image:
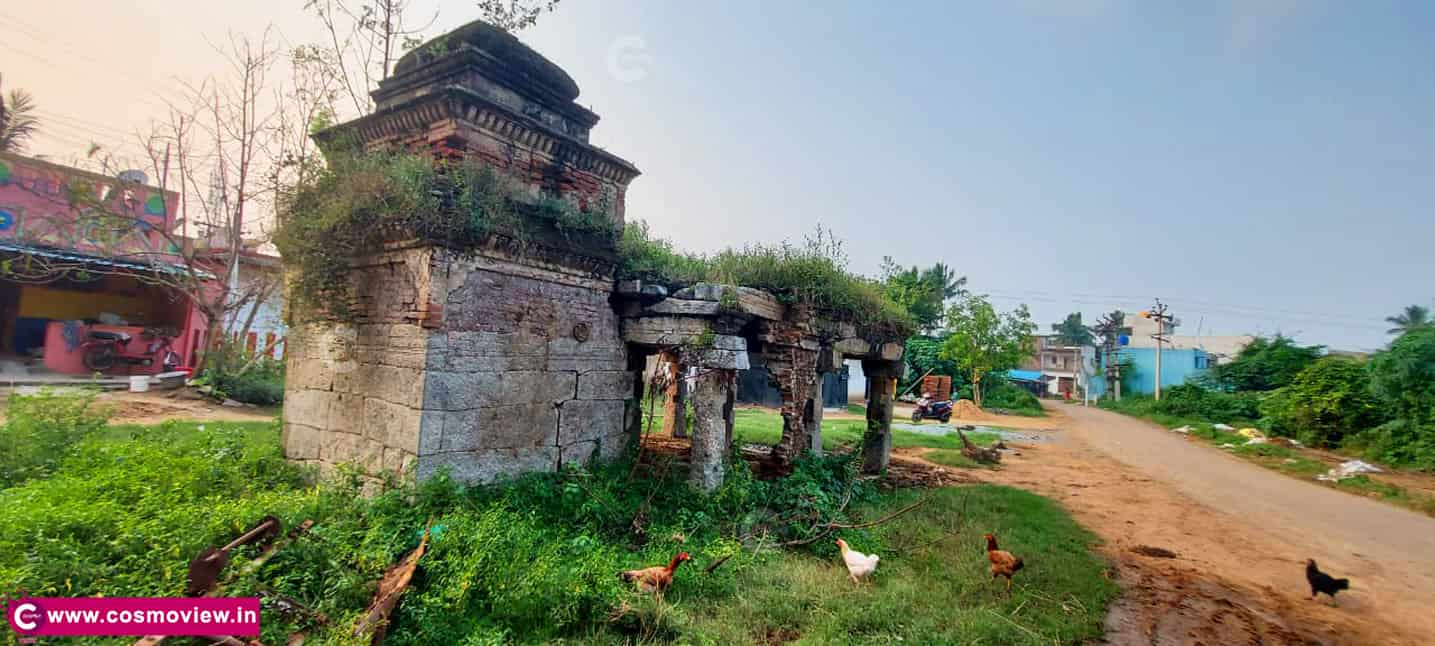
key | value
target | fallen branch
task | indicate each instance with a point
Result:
(828, 528)
(714, 565)
(391, 587)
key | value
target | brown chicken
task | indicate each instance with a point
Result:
(1004, 563)
(656, 578)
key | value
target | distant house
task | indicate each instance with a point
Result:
(1177, 366)
(1064, 368)
(257, 321)
(70, 274)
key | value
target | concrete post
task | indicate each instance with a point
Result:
(712, 424)
(877, 441)
(675, 401)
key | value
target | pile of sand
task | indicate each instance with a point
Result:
(965, 409)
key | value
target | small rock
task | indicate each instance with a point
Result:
(232, 404)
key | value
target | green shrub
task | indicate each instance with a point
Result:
(236, 374)
(40, 430)
(1264, 364)
(1398, 443)
(813, 274)
(1324, 403)
(1192, 400)
(1404, 376)
(1000, 393)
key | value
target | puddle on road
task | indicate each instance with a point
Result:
(1006, 434)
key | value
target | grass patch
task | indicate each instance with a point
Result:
(764, 426)
(534, 560)
(952, 458)
(856, 409)
(932, 586)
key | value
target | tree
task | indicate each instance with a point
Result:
(366, 38)
(1412, 317)
(922, 292)
(983, 341)
(1404, 375)
(1265, 364)
(18, 122)
(1070, 331)
(1326, 402)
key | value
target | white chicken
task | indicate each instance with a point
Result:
(859, 565)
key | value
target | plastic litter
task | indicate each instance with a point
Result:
(1228, 446)
(1182, 429)
(1223, 427)
(1250, 433)
(1348, 469)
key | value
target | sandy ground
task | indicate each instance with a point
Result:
(1240, 533)
(158, 406)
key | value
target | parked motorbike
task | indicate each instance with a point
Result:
(926, 409)
(105, 350)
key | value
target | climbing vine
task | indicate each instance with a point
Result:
(362, 200)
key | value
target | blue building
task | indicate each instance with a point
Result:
(1177, 365)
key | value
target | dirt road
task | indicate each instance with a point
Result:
(1240, 534)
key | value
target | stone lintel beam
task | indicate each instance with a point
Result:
(712, 427)
(664, 331)
(683, 307)
(747, 300)
(877, 441)
(859, 348)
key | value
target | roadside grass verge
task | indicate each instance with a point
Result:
(534, 560)
(1292, 461)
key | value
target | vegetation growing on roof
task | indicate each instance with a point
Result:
(812, 274)
(361, 200)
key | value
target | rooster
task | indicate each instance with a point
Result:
(656, 578)
(859, 565)
(1004, 563)
(1322, 582)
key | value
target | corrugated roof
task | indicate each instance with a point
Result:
(102, 261)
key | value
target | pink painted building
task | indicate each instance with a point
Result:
(85, 262)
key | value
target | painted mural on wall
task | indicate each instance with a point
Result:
(48, 205)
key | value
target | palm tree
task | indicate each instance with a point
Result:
(1414, 316)
(17, 120)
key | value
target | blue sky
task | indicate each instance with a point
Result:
(1260, 165)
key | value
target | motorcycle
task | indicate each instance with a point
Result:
(940, 411)
(105, 350)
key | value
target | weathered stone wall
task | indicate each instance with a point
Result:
(527, 372)
(353, 392)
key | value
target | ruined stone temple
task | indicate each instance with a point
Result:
(528, 353)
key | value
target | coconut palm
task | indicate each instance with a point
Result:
(17, 120)
(1414, 316)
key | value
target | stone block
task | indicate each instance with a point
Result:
(390, 424)
(578, 453)
(853, 347)
(582, 420)
(502, 427)
(308, 407)
(395, 384)
(469, 390)
(370, 455)
(726, 359)
(487, 466)
(301, 442)
(431, 423)
(683, 307)
(663, 330)
(606, 384)
(338, 448)
(891, 351)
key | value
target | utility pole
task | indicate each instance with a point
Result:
(1158, 314)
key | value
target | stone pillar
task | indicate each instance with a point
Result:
(877, 441)
(633, 416)
(712, 426)
(814, 416)
(675, 400)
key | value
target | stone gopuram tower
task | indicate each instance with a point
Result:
(501, 361)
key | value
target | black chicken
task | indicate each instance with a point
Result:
(1322, 582)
